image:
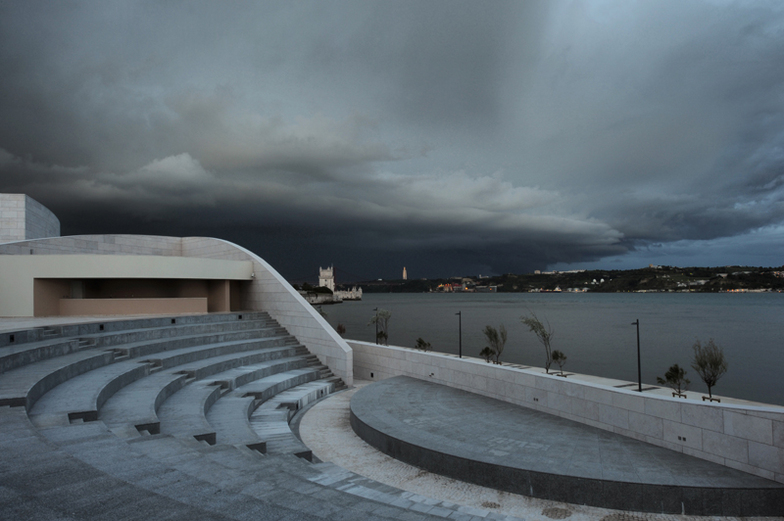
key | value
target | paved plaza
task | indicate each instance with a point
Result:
(468, 422)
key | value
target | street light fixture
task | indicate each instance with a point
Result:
(460, 334)
(639, 370)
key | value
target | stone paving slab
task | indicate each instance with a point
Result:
(325, 428)
(512, 448)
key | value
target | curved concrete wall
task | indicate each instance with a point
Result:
(267, 291)
(748, 438)
(270, 292)
(22, 217)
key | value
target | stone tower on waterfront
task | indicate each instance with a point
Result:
(327, 277)
(405, 275)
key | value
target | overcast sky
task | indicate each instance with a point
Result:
(449, 137)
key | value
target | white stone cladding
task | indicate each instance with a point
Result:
(101, 244)
(748, 438)
(22, 218)
(268, 291)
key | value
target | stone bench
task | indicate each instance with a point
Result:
(150, 347)
(51, 342)
(23, 387)
(136, 405)
(81, 397)
(270, 421)
(184, 414)
(208, 349)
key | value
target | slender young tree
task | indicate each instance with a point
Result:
(421, 344)
(497, 339)
(709, 362)
(381, 318)
(487, 354)
(675, 378)
(560, 359)
(544, 333)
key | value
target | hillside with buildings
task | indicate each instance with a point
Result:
(651, 279)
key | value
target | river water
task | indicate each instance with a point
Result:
(595, 331)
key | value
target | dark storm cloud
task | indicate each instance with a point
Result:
(469, 136)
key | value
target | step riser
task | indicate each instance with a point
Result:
(12, 338)
(50, 381)
(255, 358)
(153, 348)
(252, 376)
(130, 337)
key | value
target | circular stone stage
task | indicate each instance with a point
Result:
(507, 447)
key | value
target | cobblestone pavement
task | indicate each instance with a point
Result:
(325, 429)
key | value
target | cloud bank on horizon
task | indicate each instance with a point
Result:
(452, 138)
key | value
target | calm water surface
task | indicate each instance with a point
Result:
(595, 331)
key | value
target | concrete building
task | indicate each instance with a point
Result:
(22, 217)
(43, 274)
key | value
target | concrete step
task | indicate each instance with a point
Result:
(185, 413)
(24, 386)
(16, 356)
(133, 410)
(81, 397)
(207, 350)
(204, 368)
(139, 348)
(271, 420)
(22, 348)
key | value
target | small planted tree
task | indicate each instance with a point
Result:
(341, 329)
(421, 344)
(560, 359)
(487, 354)
(710, 364)
(497, 339)
(381, 321)
(675, 378)
(544, 333)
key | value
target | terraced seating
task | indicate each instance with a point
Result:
(176, 418)
(271, 420)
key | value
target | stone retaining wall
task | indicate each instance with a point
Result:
(748, 438)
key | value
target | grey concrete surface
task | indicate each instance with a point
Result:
(89, 470)
(507, 447)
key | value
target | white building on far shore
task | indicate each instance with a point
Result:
(327, 280)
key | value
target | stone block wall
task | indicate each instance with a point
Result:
(270, 292)
(748, 438)
(22, 218)
(98, 244)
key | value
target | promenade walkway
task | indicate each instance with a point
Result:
(489, 442)
(326, 430)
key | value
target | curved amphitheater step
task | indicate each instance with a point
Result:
(271, 420)
(81, 443)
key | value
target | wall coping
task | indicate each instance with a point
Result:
(596, 382)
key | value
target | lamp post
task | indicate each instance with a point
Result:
(460, 334)
(376, 321)
(639, 370)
